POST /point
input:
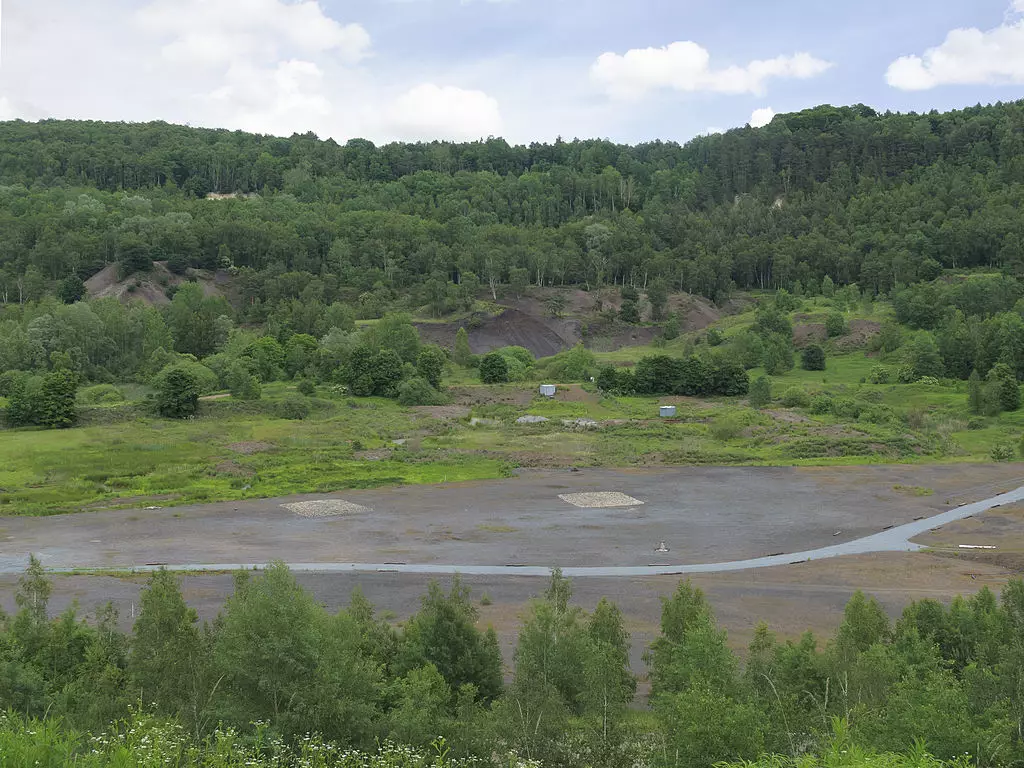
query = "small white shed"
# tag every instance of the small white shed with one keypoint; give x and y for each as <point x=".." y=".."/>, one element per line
<point x="548" y="390"/>
<point x="667" y="411"/>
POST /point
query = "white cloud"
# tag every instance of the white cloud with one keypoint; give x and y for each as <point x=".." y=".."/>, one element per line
<point x="219" y="32"/>
<point x="966" y="57"/>
<point x="762" y="117"/>
<point x="686" y="66"/>
<point x="431" y="111"/>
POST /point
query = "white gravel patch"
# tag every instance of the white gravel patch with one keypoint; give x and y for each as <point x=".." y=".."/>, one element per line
<point x="324" y="508"/>
<point x="599" y="499"/>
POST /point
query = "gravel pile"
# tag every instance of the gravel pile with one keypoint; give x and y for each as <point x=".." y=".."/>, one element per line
<point x="324" y="508"/>
<point x="599" y="499"/>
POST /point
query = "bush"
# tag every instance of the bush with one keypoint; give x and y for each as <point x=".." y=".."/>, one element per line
<point x="726" y="428"/>
<point x="294" y="408"/>
<point x="101" y="394"/>
<point x="177" y="392"/>
<point x="306" y="387"/>
<point x="206" y="379"/>
<point x="821" y="404"/>
<point x="813" y="358"/>
<point x="242" y="384"/>
<point x="493" y="369"/>
<point x="430" y="364"/>
<point x="714" y="337"/>
<point x="417" y="391"/>
<point x="576" y="364"/>
<point x="9" y="380"/>
<point x="1003" y="452"/>
<point x="795" y="397"/>
<point x="760" y="392"/>
<point x="835" y="325"/>
<point x="880" y="375"/>
<point x="846" y="408"/>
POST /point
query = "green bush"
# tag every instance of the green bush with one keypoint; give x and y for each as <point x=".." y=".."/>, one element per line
<point x="293" y="407"/>
<point x="821" y="404"/>
<point x="177" y="392"/>
<point x="1003" y="452"/>
<point x="726" y="428"/>
<point x="493" y="368"/>
<point x="576" y="364"/>
<point x="417" y="391"/>
<point x="880" y="375"/>
<point x="206" y="380"/>
<point x="760" y="392"/>
<point x="306" y="387"/>
<point x="846" y="408"/>
<point x="714" y="337"/>
<point x="813" y="358"/>
<point x="835" y="324"/>
<point x="101" y="394"/>
<point x="795" y="397"/>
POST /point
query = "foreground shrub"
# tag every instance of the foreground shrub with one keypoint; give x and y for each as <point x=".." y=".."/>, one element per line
<point x="417" y="391"/>
<point x="795" y="397"/>
<point x="295" y="408"/>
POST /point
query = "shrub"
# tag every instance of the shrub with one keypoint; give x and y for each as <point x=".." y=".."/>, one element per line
<point x="430" y="364"/>
<point x="177" y="392"/>
<point x="928" y="381"/>
<point x="101" y="394"/>
<point x="714" y="337"/>
<point x="760" y="392"/>
<point x="1003" y="387"/>
<point x="576" y="364"/>
<point x="778" y="354"/>
<point x="206" y="379"/>
<point x="417" y="391"/>
<point x="726" y="428"/>
<point x="294" y="408"/>
<point x="493" y="369"/>
<point x="242" y="384"/>
<point x="813" y="358"/>
<point x="608" y="378"/>
<point x="629" y="312"/>
<point x="795" y="397"/>
<point x="9" y="380"/>
<point x="846" y="408"/>
<point x="461" y="354"/>
<point x="835" y="324"/>
<point x="821" y="403"/>
<point x="880" y="375"/>
<point x="905" y="374"/>
<point x="1003" y="452"/>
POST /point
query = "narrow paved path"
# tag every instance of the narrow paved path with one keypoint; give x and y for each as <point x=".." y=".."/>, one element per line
<point x="896" y="539"/>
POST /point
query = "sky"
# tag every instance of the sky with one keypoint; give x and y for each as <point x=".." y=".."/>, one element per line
<point x="527" y="70"/>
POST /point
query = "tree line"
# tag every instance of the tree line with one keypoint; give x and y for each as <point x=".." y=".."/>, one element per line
<point x="275" y="660"/>
<point x="882" y="200"/>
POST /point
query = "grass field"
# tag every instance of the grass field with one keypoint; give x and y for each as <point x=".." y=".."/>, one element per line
<point x="243" y="450"/>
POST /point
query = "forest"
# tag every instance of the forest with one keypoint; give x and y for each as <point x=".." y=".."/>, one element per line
<point x="880" y="200"/>
<point x="278" y="680"/>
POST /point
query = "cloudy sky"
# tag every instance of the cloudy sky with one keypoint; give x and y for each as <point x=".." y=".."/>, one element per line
<point x="524" y="69"/>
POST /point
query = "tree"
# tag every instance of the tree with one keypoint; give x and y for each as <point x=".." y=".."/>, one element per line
<point x="828" y="288"/>
<point x="657" y="297"/>
<point x="493" y="369"/>
<point x="443" y="634"/>
<point x="177" y="395"/>
<point x="71" y="289"/>
<point x="760" y="392"/>
<point x="56" y="405"/>
<point x="267" y="356"/>
<point x="813" y="358"/>
<point x="1003" y="387"/>
<point x="629" y="312"/>
<point x="300" y="352"/>
<point x="518" y="279"/>
<point x="975" y="392"/>
<point x="922" y="356"/>
<point x="242" y="384"/>
<point x="778" y="354"/>
<point x="430" y="364"/>
<point x="168" y="655"/>
<point x="835" y="324"/>
<point x="462" y="353"/>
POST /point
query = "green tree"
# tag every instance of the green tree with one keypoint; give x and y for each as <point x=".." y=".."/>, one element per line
<point x="56" y="406"/>
<point x="300" y="354"/>
<point x="71" y="289"/>
<point x="922" y="355"/>
<point x="975" y="392"/>
<point x="629" y="312"/>
<point x="778" y="354"/>
<point x="1004" y="387"/>
<point x="177" y="395"/>
<point x="167" y="665"/>
<point x="493" y="369"/>
<point x="760" y="392"/>
<point x="657" y="297"/>
<point x="462" y="353"/>
<point x="835" y="324"/>
<point x="430" y="364"/>
<point x="518" y="279"/>
<point x="812" y="358"/>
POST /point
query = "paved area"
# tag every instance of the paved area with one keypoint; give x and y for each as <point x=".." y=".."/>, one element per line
<point x="702" y="514"/>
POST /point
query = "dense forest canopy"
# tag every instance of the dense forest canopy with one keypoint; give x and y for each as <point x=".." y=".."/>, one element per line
<point x="877" y="199"/>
